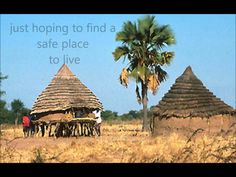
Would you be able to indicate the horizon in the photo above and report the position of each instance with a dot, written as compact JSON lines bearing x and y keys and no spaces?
{"x":204,"y":42}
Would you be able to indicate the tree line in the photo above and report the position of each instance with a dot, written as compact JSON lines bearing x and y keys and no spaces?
{"x":131,"y":115}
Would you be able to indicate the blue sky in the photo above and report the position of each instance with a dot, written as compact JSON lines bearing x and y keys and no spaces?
{"x":205,"y":42}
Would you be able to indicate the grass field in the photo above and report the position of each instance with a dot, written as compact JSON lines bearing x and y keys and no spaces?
{"x":120,"y":142}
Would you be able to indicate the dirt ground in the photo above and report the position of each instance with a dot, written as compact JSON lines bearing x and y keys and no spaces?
{"x":120,"y":142}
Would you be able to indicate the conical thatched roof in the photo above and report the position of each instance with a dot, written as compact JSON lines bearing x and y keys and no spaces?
{"x":65,"y":91}
{"x":188,"y":97}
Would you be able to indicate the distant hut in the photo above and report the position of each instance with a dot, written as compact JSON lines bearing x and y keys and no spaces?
{"x":189,"y":106}
{"x":64,"y":93}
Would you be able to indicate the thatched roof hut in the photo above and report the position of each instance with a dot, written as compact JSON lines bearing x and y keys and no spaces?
{"x":189,"y":104}
{"x":64,"y":92}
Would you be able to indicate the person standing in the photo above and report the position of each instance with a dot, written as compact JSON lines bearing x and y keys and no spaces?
{"x":98,"y":118}
{"x":26,"y":125}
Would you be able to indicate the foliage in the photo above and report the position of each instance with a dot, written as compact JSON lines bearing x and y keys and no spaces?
{"x":3,"y":112}
{"x":18,"y":109}
{"x":38,"y":158}
{"x":143,"y":45}
{"x":133,"y":114}
{"x":2,"y":78}
{"x":109,"y":115}
{"x":124,"y":77}
{"x":17,"y":106}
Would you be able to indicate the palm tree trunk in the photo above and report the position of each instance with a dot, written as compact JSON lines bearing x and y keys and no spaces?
{"x":146,"y":121}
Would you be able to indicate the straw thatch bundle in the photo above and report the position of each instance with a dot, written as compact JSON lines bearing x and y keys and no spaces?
{"x":188,"y":98}
{"x":65,"y":91}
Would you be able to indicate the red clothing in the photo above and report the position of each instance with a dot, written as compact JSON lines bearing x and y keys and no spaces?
{"x":26,"y":121}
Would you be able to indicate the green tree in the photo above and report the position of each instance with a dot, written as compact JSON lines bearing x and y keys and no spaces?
{"x":2,"y":78}
{"x":17,"y":107}
{"x":109,"y":115}
{"x":3,"y":109}
{"x":143,"y":46}
{"x":135,"y":114}
{"x":3,"y":112}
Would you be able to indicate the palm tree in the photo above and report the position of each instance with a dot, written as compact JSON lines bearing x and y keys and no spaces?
{"x":143,"y":45}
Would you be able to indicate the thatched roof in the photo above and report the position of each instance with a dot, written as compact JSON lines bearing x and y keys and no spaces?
{"x":188,"y":97}
{"x":65,"y":91}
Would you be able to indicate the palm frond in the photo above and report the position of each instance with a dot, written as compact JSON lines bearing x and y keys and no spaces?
{"x":163,"y":36}
{"x":119,"y":52}
{"x":166,"y":58}
{"x":2,"y":77}
{"x":153,"y":83}
{"x":145,"y":24}
{"x":124,"y":77}
{"x":139,"y":99}
{"x":161,"y":74}
{"x":128,"y":33}
{"x":139,"y":72}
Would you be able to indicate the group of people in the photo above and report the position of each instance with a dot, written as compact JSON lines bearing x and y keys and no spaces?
{"x":96,"y":114}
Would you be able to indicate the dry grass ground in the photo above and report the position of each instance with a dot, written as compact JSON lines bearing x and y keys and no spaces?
{"x":120,"y":142}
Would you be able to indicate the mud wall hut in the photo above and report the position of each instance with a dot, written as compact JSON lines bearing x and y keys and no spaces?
{"x":65,"y":92}
{"x":189,"y":106}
